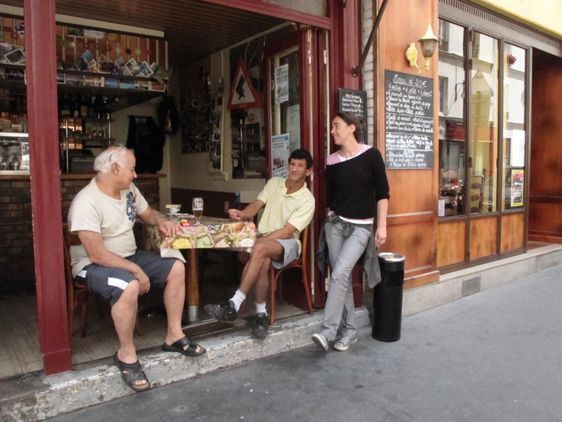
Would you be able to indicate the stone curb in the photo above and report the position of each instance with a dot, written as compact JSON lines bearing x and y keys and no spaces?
{"x":64,"y":393}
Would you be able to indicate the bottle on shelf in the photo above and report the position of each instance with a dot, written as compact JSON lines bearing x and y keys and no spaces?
{"x":64,"y":106}
{"x":76,"y":106}
{"x":83,"y":106}
{"x":92,"y":109}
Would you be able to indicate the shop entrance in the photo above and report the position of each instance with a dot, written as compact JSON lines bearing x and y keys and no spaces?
{"x":193,"y":164}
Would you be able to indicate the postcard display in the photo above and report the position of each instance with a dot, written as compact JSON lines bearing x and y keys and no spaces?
{"x":84,"y":53}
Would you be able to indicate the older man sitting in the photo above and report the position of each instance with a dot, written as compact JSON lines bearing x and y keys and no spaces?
{"x":102,"y":214}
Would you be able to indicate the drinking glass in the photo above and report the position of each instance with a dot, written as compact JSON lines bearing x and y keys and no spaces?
{"x":197,"y":208}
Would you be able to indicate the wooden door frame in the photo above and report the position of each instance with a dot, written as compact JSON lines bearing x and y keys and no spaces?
{"x":305,"y":40}
{"x":46,"y":204}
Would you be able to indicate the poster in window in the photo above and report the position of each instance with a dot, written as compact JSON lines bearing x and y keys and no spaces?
{"x":282,"y":84}
{"x":294,"y":126}
{"x":517,"y":148}
{"x":517,"y":179}
{"x":280,"y":155}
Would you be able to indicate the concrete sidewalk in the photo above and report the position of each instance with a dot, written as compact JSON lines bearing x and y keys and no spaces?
{"x":495,"y":356}
{"x":34,"y":396}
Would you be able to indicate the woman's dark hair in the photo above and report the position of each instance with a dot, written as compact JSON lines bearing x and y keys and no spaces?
{"x":302,"y":154}
{"x":352,"y":119}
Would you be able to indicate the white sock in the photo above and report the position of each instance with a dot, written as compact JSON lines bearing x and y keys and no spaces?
{"x":260,"y":308}
{"x":237,"y":299}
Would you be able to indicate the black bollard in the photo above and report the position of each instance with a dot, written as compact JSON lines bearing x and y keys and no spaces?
{"x":387,"y":301}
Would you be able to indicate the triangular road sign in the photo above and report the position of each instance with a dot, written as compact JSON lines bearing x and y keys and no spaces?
{"x":242,"y":92}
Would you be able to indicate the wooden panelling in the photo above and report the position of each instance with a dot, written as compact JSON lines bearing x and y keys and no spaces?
{"x":412,"y":224}
{"x":483,"y":235}
{"x":451,"y":240}
{"x":513,"y":232}
{"x":416,"y":280}
{"x":545,"y":208}
{"x":547,"y":219}
{"x":416,"y":241}
{"x":411,"y":190}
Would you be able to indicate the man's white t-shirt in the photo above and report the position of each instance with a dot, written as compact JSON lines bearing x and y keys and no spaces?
{"x":93,"y":210}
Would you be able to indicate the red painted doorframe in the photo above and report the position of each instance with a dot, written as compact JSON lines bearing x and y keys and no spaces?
{"x":345,"y":52}
{"x":40,"y":44}
{"x":319,"y":149}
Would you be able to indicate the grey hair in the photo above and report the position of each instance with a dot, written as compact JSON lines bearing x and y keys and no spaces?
{"x":112,"y":155}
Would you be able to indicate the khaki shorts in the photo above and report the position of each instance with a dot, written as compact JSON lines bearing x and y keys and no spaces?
{"x":291,"y":252}
{"x":110,"y":282}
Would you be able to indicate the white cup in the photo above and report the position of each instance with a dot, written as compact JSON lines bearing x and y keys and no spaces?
{"x":173,"y":209}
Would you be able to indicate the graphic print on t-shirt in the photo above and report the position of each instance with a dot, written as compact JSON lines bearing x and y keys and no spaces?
{"x":131,"y":206}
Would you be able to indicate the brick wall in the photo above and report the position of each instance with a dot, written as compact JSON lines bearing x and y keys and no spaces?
{"x":16,"y":244}
{"x":16,"y":237}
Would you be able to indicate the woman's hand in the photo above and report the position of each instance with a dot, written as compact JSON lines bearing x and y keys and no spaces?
{"x":380,"y":236}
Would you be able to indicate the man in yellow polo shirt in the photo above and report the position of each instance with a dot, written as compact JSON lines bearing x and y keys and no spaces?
{"x":289,"y":207}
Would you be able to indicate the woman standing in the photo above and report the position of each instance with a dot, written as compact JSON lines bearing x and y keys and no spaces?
{"x":355,"y":181}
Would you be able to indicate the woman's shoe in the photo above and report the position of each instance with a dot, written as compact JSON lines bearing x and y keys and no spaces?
{"x":321,"y":341}
{"x":344,"y":343}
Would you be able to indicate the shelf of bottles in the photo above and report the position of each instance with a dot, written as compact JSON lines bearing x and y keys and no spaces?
{"x":14,"y":146}
{"x":14,"y":153}
{"x":84,"y":124}
{"x":13,"y":113}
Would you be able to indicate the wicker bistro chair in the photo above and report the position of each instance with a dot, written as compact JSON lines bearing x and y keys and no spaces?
{"x":77,"y":293}
{"x":275,"y":277}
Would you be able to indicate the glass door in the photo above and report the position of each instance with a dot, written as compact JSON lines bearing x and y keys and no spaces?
{"x":297,"y":103}
{"x":284,"y":108}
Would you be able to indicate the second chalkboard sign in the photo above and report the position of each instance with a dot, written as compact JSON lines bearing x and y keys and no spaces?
{"x":354,"y":101}
{"x":409,"y":121}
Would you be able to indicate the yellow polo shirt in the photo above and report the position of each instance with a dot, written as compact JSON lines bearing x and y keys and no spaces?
{"x":296,"y":208}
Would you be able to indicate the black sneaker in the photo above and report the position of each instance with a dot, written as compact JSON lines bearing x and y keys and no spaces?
{"x":259,"y":330}
{"x":223,"y":312}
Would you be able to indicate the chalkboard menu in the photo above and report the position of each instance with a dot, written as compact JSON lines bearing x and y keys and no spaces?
{"x":354,"y":101}
{"x":409,"y":121}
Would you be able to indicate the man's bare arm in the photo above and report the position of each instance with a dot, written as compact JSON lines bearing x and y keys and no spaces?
{"x":166,"y":226}
{"x":247,"y":213}
{"x":285,"y":233}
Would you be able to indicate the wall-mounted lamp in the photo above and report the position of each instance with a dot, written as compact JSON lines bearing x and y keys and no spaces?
{"x":428,"y":44}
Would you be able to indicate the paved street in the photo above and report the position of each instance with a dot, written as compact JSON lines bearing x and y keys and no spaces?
{"x":494,"y":356}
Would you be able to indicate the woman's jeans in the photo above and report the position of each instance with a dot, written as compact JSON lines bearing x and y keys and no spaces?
{"x":346,"y":244}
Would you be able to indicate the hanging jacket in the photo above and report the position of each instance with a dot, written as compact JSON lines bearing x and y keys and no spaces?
{"x":147,"y":140}
{"x":369,"y":260}
{"x":168,"y":116}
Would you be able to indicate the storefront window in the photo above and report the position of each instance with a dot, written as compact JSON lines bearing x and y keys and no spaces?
{"x":286,"y":108}
{"x":483,"y":124}
{"x":513,"y":175}
{"x":451,"y":119}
